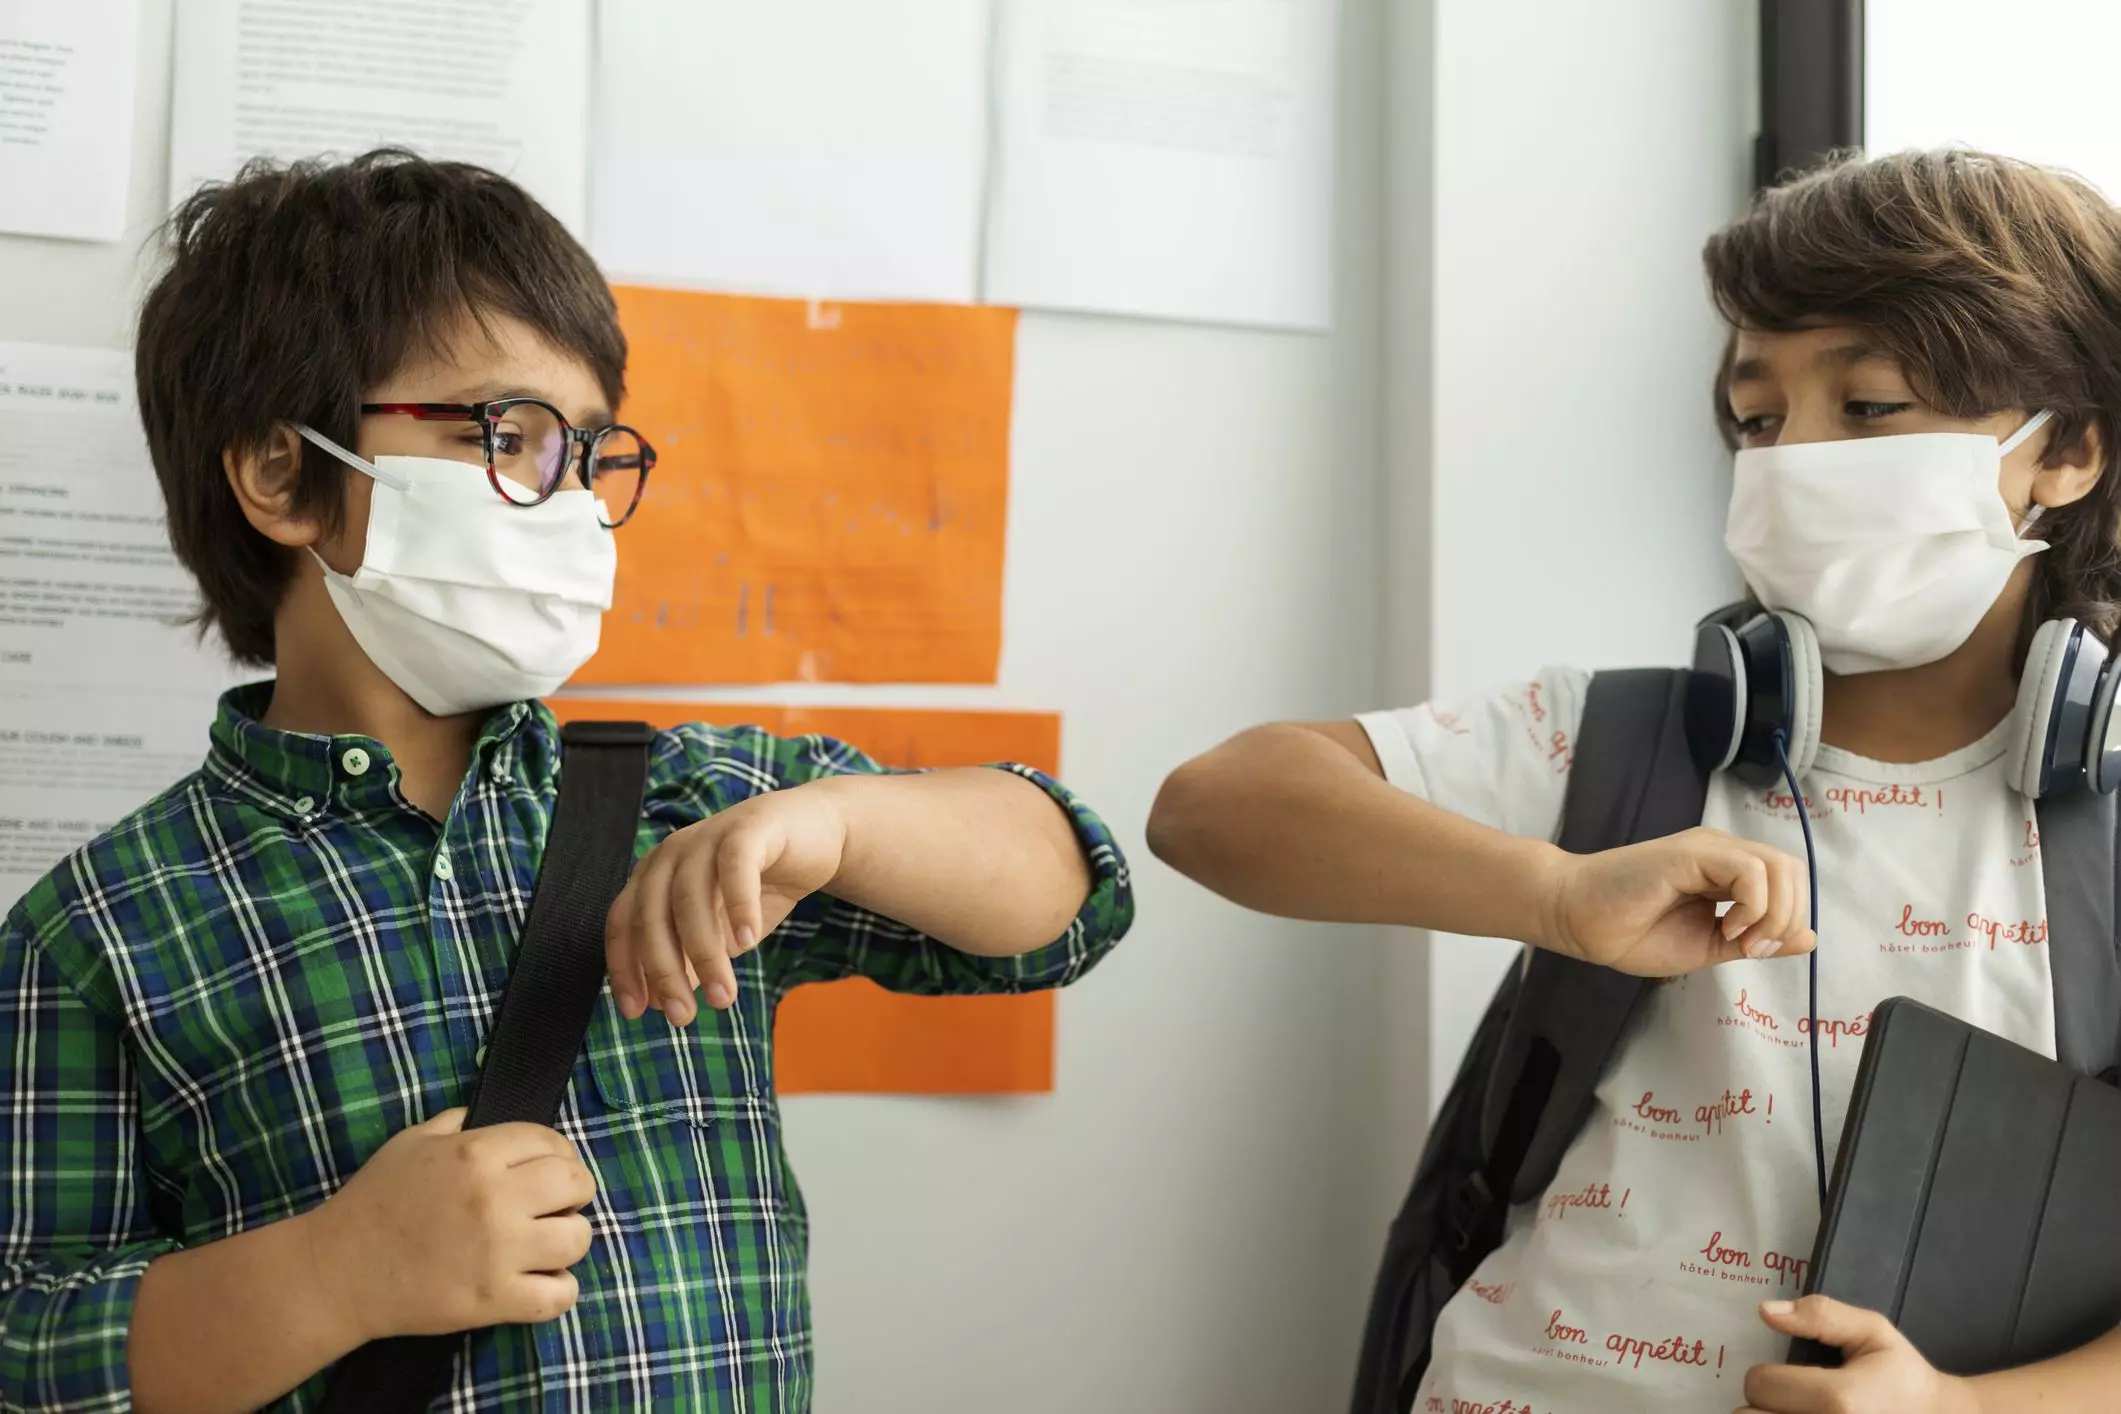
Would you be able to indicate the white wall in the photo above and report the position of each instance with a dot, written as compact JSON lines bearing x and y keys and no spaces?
{"x":1551,"y":352}
{"x":1189,"y":1221}
{"x":1933,"y":76}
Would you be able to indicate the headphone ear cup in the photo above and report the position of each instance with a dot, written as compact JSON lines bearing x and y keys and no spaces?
{"x":1715,"y":698}
{"x":2102,"y":746}
{"x":1807,"y":690}
{"x":2032,"y":719}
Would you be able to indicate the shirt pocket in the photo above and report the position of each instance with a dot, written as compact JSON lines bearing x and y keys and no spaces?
{"x":720,"y":1065}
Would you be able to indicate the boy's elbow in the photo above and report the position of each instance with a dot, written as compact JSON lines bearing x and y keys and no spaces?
{"x":1166,"y":823}
{"x":1181,"y":821}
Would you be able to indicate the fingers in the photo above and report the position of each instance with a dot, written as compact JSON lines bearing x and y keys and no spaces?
{"x":740,"y":864}
{"x":656,"y":941}
{"x":1789,"y":1389}
{"x":449,"y":1121}
{"x":702,"y":934}
{"x":1769,"y":932}
{"x":696,"y":904}
{"x":556,"y":1243}
{"x":1715,"y":865}
{"x":551,"y":1185}
{"x":745,"y":860}
{"x":519,"y":1142}
{"x":628,"y":987}
{"x":536,"y":1297}
{"x":1821,"y":1318}
{"x":1769,"y":892}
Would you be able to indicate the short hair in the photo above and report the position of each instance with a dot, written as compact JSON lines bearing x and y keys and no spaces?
{"x":294,"y":288}
{"x":1995,"y":283}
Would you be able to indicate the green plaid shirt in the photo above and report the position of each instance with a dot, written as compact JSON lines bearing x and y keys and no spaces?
{"x":216,"y":1012}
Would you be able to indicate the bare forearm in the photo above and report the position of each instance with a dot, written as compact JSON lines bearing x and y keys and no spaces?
{"x":979,"y":859}
{"x":1290,"y":821}
{"x":233,"y":1325}
{"x":2085,"y":1380}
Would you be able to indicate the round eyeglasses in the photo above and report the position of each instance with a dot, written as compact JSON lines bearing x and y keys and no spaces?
{"x":531,"y":450}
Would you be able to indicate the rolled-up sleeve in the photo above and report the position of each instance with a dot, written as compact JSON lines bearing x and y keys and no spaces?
{"x":825,"y":939}
{"x":75,"y":1233}
{"x":833,"y":938}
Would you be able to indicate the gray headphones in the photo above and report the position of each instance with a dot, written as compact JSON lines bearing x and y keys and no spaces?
{"x":1757,"y":676}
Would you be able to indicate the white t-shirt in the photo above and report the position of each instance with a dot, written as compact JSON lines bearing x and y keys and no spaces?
{"x":1689,"y":1196}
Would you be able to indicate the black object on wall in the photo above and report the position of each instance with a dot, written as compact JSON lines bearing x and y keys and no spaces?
{"x":1811,"y":84}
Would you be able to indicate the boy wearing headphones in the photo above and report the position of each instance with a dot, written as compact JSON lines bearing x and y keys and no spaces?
{"x":1924,"y":369}
{"x":380,"y":398}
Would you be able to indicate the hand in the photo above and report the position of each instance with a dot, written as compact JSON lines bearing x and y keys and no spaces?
{"x":443,"y":1230}
{"x":1880,"y":1374}
{"x":710,"y":892}
{"x":1650,"y":909}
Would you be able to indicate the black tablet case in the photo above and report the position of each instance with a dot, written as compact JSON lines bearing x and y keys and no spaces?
{"x":1973,"y":1199}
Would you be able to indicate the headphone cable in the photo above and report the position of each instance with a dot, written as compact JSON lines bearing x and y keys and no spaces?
{"x":1811,"y":870}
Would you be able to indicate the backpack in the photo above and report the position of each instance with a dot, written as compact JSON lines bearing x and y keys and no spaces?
{"x":1527,"y":1081}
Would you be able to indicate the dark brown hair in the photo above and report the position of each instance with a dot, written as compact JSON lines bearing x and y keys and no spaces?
{"x":1996,"y":284}
{"x":293,"y":289}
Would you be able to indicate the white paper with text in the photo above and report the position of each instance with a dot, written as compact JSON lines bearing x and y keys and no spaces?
{"x":1166,"y":158}
{"x":106,"y":693}
{"x":503,"y":83}
{"x":67,"y":73}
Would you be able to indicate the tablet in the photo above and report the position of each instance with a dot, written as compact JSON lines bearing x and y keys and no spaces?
{"x":1974,"y":1197}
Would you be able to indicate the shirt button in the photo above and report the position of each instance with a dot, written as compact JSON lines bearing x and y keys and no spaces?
{"x":305,"y":805}
{"x":480,"y":1058}
{"x":355,"y":761}
{"x":442,"y":869}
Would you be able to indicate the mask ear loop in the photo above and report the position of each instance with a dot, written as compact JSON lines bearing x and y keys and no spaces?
{"x":2011,"y":444}
{"x":359,"y":463}
{"x":2016,"y":440}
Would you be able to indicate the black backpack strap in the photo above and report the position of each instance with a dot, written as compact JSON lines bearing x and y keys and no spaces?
{"x":2080,"y":867}
{"x":1636,"y":780}
{"x":1633,"y":779}
{"x":544,"y":1014}
{"x":1632,"y":774}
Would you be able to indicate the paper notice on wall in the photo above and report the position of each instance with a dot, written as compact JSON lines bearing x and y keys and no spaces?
{"x":1169,"y":158}
{"x":73,"y":764}
{"x":66,"y":115}
{"x":830,"y":495}
{"x":815,"y":148}
{"x":852,"y":1036}
{"x":105,"y":693}
{"x":502,"y":83}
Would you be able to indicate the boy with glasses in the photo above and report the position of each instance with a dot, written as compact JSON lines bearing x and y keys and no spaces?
{"x":380,"y":399}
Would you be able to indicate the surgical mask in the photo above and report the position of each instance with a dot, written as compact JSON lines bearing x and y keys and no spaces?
{"x":465,"y":601}
{"x":1892,"y":547}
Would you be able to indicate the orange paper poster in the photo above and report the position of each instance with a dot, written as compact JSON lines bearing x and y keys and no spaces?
{"x":853,"y":1036}
{"x":829,"y":496}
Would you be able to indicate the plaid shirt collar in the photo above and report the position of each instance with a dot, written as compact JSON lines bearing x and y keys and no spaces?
{"x":298,"y":774}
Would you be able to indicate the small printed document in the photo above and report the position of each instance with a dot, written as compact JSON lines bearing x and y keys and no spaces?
{"x":67,"y":70}
{"x":1165,"y":158}
{"x":503,"y":83}
{"x":106,"y":692}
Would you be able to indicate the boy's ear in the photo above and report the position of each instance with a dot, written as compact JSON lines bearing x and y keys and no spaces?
{"x":264,"y":479}
{"x":2072,"y":477}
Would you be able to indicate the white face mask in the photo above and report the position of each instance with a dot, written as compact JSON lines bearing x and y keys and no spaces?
{"x":463,"y":600}
{"x":1892,"y":547}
